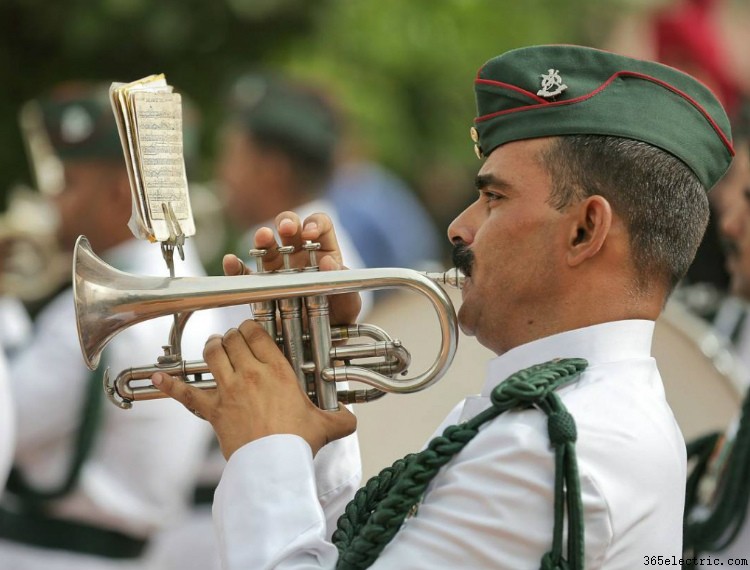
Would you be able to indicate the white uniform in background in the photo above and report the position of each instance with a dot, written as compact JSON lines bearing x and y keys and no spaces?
{"x":7,"y":422}
{"x":491,"y":506}
{"x":144,"y":462}
{"x":15,"y":328}
{"x":191,"y":545}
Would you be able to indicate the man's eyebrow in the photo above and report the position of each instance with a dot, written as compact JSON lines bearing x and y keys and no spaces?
{"x":483,"y":181}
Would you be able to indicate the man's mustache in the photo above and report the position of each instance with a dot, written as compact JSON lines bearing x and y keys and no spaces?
{"x":463,"y":258}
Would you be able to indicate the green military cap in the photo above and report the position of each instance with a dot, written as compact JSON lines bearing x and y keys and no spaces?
{"x":80,"y":123}
{"x":294,"y":115}
{"x":553,"y":90}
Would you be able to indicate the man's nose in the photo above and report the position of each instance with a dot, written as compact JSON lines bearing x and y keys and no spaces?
{"x":461,"y":229}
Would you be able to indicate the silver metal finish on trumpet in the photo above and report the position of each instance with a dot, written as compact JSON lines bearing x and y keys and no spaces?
{"x":264,"y":312}
{"x":108,"y":301}
{"x":453,"y":278}
{"x":311,"y":248}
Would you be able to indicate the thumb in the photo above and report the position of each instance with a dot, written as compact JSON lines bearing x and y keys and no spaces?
{"x":233,"y":265}
{"x":192,"y":398}
{"x":336,"y":425}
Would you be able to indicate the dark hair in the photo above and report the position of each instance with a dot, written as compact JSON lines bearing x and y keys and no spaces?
{"x":312,"y":171}
{"x":290,"y":117}
{"x":661,"y":201}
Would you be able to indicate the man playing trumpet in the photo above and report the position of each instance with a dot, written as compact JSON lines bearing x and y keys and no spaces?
{"x":592,"y":202}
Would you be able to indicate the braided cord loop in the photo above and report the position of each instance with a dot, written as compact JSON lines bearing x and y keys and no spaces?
{"x":378,"y":509}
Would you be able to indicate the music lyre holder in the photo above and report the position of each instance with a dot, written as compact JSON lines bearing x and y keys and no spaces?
{"x":173,"y":351}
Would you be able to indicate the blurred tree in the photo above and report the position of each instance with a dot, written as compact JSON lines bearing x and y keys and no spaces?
{"x":402,"y":70}
{"x":197,"y":44}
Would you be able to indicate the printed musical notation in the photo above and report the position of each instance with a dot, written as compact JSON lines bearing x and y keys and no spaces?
{"x":159,"y":122}
{"x":149,"y":115}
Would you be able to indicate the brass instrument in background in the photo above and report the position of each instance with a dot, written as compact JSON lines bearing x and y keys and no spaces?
{"x":32,"y":265}
{"x":46,"y":168}
{"x":108,"y":301}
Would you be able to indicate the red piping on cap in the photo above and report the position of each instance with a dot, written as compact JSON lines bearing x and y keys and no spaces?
{"x":529,"y":94}
{"x":601,"y":88}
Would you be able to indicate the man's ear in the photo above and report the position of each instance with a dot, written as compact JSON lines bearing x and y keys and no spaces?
{"x":591,"y":222}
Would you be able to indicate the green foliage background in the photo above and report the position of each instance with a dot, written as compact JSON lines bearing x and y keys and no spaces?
{"x":402,"y":69}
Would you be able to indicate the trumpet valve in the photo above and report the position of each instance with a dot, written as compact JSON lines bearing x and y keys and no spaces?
{"x":258,"y":255}
{"x":311,"y":248}
{"x":169,"y":357}
{"x":286,"y":251}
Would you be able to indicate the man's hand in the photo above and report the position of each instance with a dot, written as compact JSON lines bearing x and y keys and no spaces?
{"x":257,"y":391}
{"x":316,"y":228}
{"x":257,"y":394}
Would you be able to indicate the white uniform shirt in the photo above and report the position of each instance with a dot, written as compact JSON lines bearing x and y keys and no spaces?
{"x":145,"y":460}
{"x":491,"y":506}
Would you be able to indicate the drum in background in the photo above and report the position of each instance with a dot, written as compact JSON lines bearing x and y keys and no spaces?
{"x":395,"y":425}
{"x":704,"y":380}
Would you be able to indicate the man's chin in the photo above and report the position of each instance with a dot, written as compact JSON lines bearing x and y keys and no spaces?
{"x":464,"y":323}
{"x":465,"y":287}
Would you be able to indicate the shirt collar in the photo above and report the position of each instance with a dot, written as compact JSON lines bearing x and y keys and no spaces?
{"x":598,"y":344}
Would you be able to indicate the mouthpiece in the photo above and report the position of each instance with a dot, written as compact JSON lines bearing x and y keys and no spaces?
{"x":453,"y":278}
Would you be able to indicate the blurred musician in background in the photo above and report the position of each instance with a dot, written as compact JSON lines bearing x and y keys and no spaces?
{"x":383,"y":216}
{"x":718,"y":496}
{"x":697,"y":37}
{"x":277,"y":152}
{"x":91,"y":483}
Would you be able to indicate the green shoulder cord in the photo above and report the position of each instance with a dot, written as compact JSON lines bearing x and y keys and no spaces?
{"x":720,"y":528}
{"x":84,"y":442}
{"x":379,"y":508}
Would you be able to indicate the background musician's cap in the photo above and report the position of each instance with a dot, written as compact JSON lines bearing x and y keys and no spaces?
{"x":81,"y":125}
{"x":79,"y":121}
{"x":554,"y":90}
{"x":293,"y":115}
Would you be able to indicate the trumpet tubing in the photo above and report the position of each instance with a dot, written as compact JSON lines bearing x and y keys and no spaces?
{"x":108,"y":301}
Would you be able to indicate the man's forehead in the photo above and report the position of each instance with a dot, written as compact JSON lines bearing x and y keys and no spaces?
{"x":513,"y":166}
{"x":529,"y":151}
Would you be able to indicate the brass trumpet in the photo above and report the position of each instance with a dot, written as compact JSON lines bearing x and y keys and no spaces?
{"x":108,"y":301}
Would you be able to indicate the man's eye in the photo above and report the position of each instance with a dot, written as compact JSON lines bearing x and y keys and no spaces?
{"x":491,"y":196}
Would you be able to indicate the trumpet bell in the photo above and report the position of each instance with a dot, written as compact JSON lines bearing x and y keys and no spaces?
{"x":98,"y":320}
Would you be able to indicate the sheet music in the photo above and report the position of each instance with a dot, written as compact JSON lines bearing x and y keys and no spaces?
{"x":149,"y":117}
